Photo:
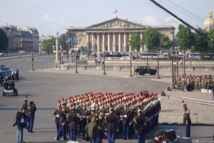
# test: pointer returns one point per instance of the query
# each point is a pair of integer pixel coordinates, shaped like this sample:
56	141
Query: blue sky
50	16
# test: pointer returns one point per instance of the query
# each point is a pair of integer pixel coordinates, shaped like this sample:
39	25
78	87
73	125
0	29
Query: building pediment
116	23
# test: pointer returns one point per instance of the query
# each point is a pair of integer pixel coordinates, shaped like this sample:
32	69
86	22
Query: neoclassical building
113	35
209	22
21	38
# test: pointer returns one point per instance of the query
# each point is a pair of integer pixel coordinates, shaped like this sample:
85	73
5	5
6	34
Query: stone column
125	43
103	42
109	42
88	41
113	42
92	42
129	39
141	38
98	43
119	39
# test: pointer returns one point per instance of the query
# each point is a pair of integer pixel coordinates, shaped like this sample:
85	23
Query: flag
69	40
115	11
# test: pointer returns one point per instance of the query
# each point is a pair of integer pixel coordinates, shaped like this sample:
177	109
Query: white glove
117	130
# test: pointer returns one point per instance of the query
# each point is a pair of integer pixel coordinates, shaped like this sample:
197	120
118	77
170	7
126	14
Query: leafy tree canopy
64	37
135	42
166	43
211	42
185	38
151	38
201	44
3	41
47	45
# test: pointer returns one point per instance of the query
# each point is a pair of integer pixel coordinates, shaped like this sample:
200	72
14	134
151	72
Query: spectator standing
1	79
20	123
100	124
17	74
160	137
92	130
31	116
56	116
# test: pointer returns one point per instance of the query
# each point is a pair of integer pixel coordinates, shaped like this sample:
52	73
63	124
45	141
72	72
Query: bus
150	55
193	55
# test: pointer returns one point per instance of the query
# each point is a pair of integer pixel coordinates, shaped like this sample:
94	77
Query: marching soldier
73	122
125	123
111	120
140	122
83	121
186	120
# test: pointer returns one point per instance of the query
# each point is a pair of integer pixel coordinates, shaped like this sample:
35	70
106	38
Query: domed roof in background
209	22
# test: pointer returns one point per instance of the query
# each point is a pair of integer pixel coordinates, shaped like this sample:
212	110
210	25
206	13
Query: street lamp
104	67
60	56
172	56
56	64
131	65
184	61
67	50
158	63
177	61
76	62
32	62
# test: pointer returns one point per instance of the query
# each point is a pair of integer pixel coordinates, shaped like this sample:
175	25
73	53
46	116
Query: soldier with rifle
111	123
140	126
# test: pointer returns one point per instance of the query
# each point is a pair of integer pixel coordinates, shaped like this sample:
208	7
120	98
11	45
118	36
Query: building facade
22	38
209	22
113	35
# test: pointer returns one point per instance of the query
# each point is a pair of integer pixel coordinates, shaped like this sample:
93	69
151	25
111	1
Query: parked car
107	54
117	54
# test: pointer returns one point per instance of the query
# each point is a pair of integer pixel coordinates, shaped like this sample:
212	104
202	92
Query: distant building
22	38
113	35
209	22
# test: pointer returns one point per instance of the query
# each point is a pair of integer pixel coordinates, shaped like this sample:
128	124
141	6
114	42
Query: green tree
135	42
151	39
166	43
3	41
201	44
185	38
63	37
211	42
47	45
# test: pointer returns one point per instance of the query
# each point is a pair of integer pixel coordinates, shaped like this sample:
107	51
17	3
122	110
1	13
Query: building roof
117	23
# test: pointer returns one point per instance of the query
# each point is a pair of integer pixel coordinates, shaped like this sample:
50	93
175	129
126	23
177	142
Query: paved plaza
45	86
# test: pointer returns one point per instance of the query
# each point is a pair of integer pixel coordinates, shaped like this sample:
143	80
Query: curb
192	124
14	57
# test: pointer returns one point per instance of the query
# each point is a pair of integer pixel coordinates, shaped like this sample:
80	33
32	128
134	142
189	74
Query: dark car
107	54
142	70
117	54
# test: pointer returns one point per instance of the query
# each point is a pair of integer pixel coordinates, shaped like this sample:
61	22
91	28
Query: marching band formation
94	116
